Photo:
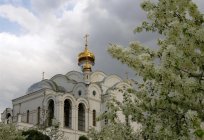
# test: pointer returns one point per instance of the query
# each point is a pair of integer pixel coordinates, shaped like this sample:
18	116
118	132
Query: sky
47	35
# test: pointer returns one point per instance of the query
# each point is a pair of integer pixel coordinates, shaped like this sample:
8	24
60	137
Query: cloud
20	15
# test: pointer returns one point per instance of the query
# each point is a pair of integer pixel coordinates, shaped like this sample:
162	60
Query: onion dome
86	56
86	59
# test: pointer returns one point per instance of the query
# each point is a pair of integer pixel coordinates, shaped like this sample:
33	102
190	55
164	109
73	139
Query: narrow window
81	117
28	115
67	113
50	112
38	119
94	117
106	119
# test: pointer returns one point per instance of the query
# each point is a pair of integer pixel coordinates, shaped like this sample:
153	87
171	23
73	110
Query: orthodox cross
86	39
43	75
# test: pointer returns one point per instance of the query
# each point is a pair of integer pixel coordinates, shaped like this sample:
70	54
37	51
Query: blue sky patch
10	27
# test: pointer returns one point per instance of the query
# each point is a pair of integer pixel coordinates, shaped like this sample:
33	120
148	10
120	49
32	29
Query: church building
73	101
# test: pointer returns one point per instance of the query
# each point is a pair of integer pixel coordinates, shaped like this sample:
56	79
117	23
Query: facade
73	101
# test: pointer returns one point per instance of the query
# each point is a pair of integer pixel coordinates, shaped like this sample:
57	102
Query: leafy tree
35	135
9	132
117	129
170	100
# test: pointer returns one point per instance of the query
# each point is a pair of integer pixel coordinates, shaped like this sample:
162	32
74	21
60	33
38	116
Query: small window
79	92
94	93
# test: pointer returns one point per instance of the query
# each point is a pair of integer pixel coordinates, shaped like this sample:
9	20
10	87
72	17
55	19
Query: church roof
66	83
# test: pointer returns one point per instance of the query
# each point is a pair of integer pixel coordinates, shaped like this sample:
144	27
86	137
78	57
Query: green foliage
35	135
9	132
170	100
83	138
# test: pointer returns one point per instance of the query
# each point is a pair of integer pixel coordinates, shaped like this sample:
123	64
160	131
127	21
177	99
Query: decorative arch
84	101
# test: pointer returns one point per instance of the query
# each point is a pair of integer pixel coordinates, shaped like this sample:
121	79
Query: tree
9	132
171	96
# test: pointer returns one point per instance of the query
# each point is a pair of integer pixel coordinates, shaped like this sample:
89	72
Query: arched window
81	117
50	111
28	115
94	117
67	113
38	116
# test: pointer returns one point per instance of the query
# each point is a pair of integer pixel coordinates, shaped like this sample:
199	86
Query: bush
83	138
35	135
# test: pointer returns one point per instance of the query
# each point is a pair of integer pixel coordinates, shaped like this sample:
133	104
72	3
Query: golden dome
85	56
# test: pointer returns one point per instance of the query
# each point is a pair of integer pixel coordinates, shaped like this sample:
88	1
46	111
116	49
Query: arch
81	117
67	113
38	115
84	101
51	108
70	97
94	117
27	115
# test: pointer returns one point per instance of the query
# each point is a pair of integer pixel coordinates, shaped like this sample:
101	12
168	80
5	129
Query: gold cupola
86	59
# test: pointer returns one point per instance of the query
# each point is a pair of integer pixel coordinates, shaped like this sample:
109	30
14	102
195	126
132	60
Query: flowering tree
171	96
